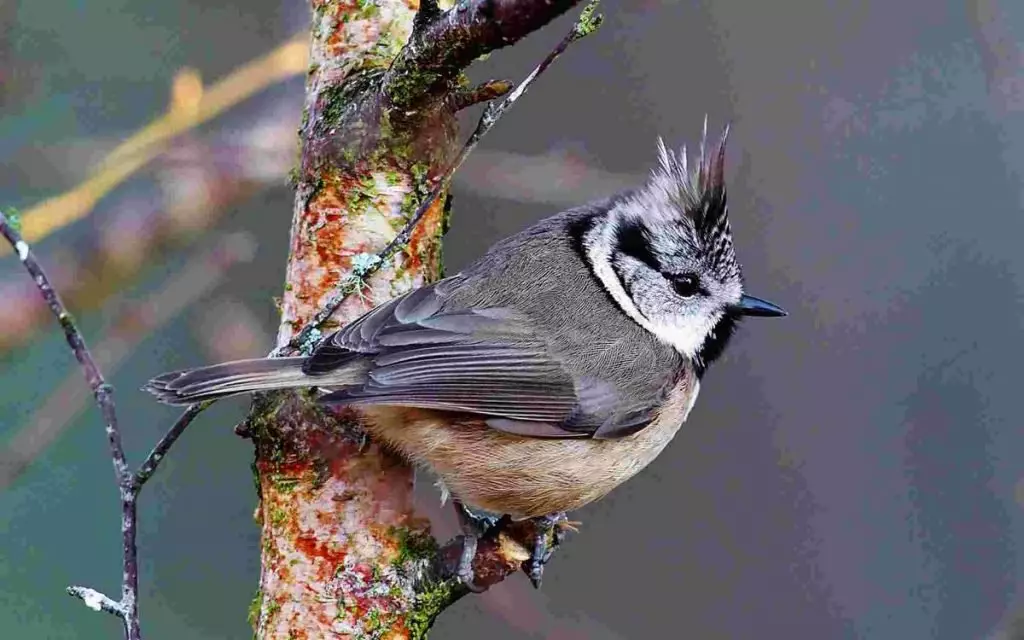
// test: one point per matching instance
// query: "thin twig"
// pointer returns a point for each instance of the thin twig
(586, 24)
(100, 389)
(202, 273)
(152, 461)
(127, 608)
(129, 484)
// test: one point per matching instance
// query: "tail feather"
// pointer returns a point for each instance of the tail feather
(244, 376)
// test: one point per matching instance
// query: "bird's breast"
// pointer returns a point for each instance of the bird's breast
(527, 477)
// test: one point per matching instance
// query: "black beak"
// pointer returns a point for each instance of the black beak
(751, 306)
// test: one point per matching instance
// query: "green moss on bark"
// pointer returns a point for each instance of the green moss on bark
(253, 615)
(430, 602)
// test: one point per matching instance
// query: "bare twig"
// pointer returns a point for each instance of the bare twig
(587, 23)
(129, 484)
(100, 389)
(202, 272)
(152, 461)
(127, 607)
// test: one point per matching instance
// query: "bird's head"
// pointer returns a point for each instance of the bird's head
(665, 254)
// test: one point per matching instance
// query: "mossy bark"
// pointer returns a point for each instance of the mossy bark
(343, 553)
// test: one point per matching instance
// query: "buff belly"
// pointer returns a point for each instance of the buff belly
(524, 477)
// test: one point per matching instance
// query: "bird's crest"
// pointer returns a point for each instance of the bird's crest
(693, 195)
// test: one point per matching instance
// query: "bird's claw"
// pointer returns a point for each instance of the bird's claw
(473, 527)
(556, 524)
(465, 569)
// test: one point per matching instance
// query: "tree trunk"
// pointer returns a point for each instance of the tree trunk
(343, 555)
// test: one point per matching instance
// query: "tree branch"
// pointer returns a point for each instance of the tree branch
(100, 389)
(438, 53)
(129, 484)
(152, 461)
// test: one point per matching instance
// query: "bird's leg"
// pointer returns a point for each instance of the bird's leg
(464, 572)
(473, 527)
(556, 524)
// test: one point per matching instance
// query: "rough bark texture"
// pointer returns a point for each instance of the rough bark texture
(343, 554)
(342, 551)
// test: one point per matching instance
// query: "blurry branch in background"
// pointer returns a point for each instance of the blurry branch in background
(135, 321)
(199, 181)
(190, 105)
(129, 484)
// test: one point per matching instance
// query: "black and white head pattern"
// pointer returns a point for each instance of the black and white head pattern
(665, 253)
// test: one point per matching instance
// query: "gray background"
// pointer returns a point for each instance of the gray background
(849, 472)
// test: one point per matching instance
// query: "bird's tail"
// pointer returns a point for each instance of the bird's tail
(243, 376)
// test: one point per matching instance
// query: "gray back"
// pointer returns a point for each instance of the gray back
(541, 272)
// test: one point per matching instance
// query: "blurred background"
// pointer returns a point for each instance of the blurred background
(852, 471)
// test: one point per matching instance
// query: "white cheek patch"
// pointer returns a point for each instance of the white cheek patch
(688, 335)
(684, 336)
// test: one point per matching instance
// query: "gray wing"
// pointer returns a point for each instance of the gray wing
(482, 361)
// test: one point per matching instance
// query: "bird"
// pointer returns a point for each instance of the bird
(554, 368)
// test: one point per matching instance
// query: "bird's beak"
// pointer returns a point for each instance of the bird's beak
(751, 306)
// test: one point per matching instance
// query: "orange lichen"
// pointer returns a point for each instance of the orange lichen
(326, 555)
(423, 241)
(326, 231)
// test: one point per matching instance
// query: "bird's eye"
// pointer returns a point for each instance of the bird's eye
(686, 285)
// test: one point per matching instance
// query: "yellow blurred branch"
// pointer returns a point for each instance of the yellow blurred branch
(191, 105)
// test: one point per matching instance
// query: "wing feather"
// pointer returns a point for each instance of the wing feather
(488, 362)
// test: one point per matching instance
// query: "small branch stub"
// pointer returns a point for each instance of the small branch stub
(97, 601)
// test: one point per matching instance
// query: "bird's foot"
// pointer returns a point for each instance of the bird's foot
(464, 572)
(555, 524)
(474, 526)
